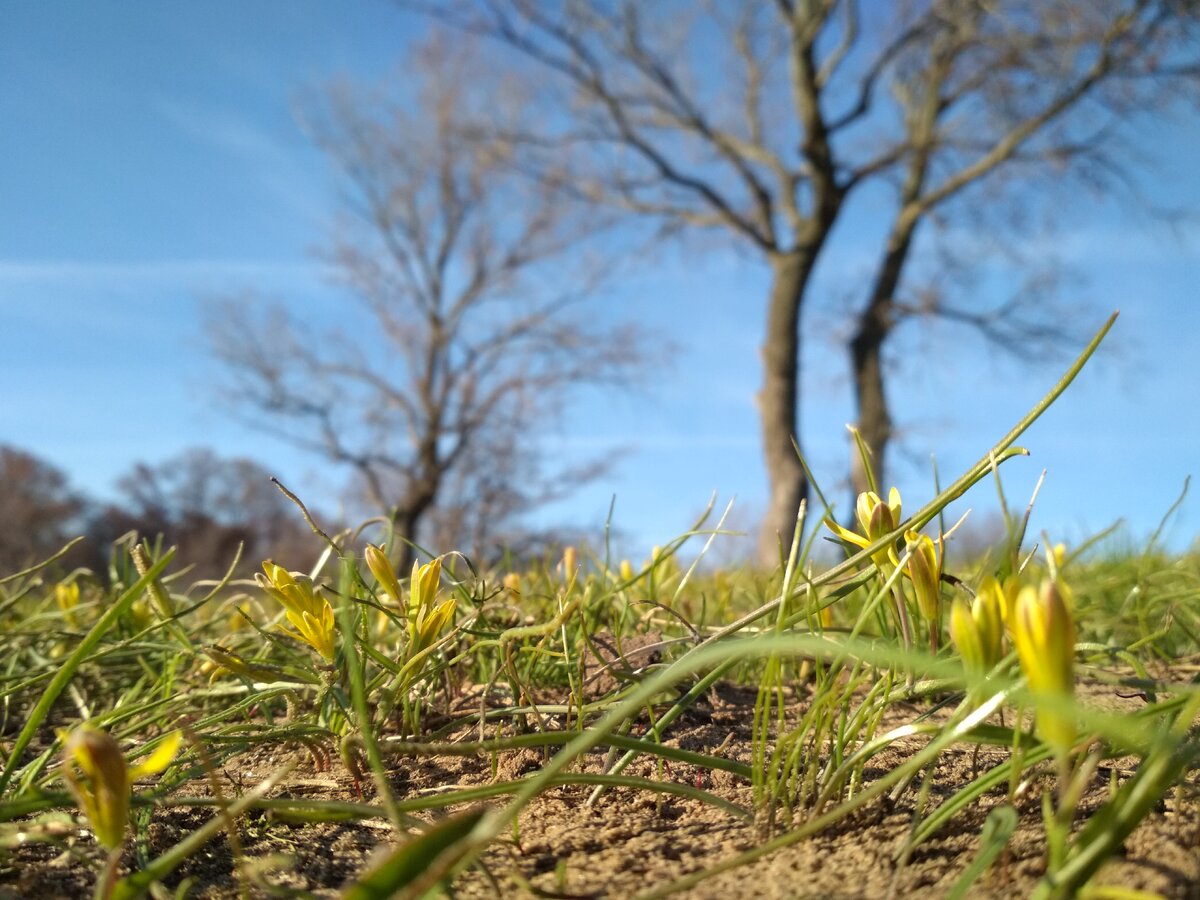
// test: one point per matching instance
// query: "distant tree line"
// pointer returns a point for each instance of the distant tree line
(205, 504)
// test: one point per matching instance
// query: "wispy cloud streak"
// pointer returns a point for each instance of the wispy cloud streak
(81, 273)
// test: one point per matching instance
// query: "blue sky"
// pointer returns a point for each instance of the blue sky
(152, 157)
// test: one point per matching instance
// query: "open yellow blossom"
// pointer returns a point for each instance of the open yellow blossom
(876, 518)
(312, 616)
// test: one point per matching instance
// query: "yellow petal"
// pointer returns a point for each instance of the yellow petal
(159, 759)
(319, 634)
(864, 506)
(846, 534)
(965, 634)
(894, 505)
(381, 568)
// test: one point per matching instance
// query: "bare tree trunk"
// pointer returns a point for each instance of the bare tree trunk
(874, 419)
(778, 401)
(866, 357)
(409, 514)
(406, 524)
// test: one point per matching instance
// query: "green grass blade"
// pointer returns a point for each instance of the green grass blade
(998, 829)
(67, 671)
(418, 864)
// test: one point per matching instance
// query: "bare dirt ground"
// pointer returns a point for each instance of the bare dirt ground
(630, 842)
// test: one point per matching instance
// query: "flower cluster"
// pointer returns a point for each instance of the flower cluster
(1040, 626)
(427, 617)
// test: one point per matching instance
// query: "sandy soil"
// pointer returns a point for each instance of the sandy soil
(629, 842)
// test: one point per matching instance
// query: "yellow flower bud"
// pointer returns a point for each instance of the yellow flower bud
(67, 598)
(924, 569)
(381, 568)
(104, 790)
(988, 612)
(428, 625)
(964, 632)
(1043, 631)
(978, 629)
(1006, 592)
(425, 583)
(1059, 552)
(626, 570)
(512, 583)
(249, 669)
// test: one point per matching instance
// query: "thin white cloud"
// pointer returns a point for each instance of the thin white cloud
(188, 272)
(223, 131)
(1155, 243)
(277, 165)
(656, 442)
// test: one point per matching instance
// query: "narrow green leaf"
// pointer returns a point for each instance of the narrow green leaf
(436, 849)
(998, 828)
(67, 671)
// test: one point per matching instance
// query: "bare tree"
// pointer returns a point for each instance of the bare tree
(999, 103)
(466, 337)
(38, 509)
(763, 119)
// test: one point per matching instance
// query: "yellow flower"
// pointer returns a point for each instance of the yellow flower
(1006, 596)
(312, 616)
(67, 598)
(428, 617)
(570, 559)
(425, 584)
(964, 631)
(1043, 631)
(246, 668)
(625, 570)
(876, 518)
(381, 568)
(105, 789)
(977, 629)
(924, 569)
(1059, 552)
(512, 583)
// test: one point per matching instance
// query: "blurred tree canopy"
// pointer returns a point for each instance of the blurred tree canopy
(39, 512)
(204, 504)
(208, 506)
